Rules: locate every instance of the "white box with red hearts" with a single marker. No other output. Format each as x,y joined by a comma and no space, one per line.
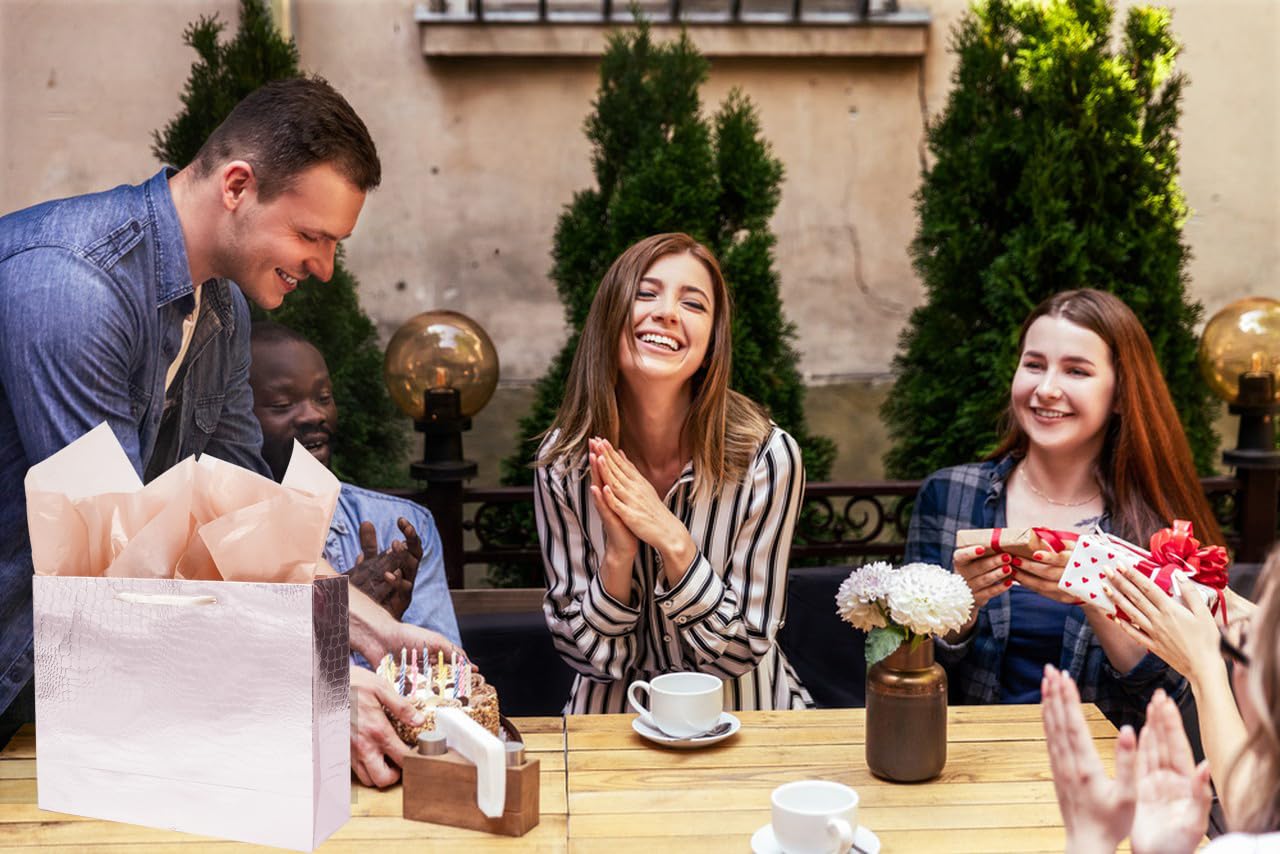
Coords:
1083,576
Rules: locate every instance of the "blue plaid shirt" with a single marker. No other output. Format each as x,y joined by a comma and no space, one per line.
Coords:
972,496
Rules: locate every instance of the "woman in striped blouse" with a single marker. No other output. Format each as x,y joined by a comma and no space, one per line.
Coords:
665,501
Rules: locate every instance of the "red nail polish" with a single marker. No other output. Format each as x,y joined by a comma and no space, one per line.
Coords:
1038,556
979,551
1007,570
1005,558
1008,582
1017,561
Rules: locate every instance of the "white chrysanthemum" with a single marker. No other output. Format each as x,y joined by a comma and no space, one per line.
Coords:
927,600
860,597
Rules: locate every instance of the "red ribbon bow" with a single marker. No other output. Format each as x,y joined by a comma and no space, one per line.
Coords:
1174,549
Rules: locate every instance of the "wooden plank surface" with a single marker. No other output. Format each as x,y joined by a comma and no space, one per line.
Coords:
376,822
995,793
611,791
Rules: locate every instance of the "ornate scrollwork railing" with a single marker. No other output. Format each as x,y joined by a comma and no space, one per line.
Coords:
847,522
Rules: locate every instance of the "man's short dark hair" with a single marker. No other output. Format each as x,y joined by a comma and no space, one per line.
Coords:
270,332
286,127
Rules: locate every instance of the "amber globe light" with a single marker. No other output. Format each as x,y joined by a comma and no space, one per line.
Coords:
1241,343
440,349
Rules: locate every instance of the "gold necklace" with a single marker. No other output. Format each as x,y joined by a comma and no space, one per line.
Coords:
1031,485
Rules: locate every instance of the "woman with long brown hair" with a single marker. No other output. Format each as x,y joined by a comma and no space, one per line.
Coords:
1092,439
665,501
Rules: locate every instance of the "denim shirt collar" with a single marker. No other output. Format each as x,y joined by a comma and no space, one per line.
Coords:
173,270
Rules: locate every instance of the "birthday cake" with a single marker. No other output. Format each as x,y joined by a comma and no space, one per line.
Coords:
455,683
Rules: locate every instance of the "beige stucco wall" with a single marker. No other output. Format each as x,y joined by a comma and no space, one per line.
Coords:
480,155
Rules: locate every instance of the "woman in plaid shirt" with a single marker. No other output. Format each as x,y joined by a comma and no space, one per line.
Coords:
1092,439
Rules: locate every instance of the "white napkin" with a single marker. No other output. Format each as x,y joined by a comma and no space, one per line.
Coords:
485,750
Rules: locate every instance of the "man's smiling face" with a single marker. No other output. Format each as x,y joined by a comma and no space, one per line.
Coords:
293,399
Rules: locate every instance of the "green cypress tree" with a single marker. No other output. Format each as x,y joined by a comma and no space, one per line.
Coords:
1055,167
661,166
369,448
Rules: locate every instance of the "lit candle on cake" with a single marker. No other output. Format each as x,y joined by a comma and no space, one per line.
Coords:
442,676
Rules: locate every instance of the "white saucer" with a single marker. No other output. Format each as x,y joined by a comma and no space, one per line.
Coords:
764,842
648,732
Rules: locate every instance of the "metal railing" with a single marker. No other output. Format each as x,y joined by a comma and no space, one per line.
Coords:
834,12
840,523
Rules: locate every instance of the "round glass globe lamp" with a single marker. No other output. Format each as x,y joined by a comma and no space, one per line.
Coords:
440,349
1240,345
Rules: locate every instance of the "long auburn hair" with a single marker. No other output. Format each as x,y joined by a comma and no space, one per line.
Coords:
723,429
1147,476
1261,776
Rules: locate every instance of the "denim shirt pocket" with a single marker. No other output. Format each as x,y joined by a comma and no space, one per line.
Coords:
139,400
207,411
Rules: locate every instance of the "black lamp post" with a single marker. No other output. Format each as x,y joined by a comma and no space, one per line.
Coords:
1240,358
441,369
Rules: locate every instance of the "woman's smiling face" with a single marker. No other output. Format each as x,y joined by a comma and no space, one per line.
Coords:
1063,392
671,322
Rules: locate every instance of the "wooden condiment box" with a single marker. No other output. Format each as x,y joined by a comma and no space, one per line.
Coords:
442,790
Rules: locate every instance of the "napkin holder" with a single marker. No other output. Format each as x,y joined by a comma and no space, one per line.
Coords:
441,789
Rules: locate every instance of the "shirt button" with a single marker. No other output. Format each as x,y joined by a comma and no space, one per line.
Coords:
667,604
667,638
681,619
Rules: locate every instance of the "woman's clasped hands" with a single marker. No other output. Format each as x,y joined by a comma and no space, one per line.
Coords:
632,512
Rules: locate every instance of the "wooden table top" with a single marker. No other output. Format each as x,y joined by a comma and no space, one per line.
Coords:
995,794
606,789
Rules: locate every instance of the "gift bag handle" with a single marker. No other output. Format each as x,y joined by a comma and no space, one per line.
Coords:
166,599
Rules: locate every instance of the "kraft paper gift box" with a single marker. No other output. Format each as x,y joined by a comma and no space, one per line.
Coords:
191,670
1019,542
1176,563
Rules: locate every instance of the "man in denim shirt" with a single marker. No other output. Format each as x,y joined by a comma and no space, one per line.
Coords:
293,399
117,307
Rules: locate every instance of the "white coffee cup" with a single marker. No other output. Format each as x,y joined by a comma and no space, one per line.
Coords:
680,704
814,817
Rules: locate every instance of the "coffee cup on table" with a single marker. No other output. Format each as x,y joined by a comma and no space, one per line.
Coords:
814,817
681,705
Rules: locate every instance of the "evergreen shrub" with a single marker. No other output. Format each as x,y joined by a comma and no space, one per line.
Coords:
661,166
1054,166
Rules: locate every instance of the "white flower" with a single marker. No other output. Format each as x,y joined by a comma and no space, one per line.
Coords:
927,600
860,597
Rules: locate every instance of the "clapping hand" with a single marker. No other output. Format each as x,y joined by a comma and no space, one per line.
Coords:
387,577
619,543
1173,792
1096,810
630,496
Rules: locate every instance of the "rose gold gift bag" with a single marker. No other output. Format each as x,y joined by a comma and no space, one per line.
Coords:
191,672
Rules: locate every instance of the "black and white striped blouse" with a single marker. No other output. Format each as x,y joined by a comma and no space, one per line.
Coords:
721,618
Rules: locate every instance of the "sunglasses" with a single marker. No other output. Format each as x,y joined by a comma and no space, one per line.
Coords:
1233,650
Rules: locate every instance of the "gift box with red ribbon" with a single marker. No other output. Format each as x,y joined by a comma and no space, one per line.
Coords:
1019,542
1175,562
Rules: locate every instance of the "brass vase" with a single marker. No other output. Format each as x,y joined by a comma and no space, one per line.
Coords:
907,715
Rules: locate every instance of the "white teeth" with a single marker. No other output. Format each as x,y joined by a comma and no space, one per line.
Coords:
290,279
660,340
1049,413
